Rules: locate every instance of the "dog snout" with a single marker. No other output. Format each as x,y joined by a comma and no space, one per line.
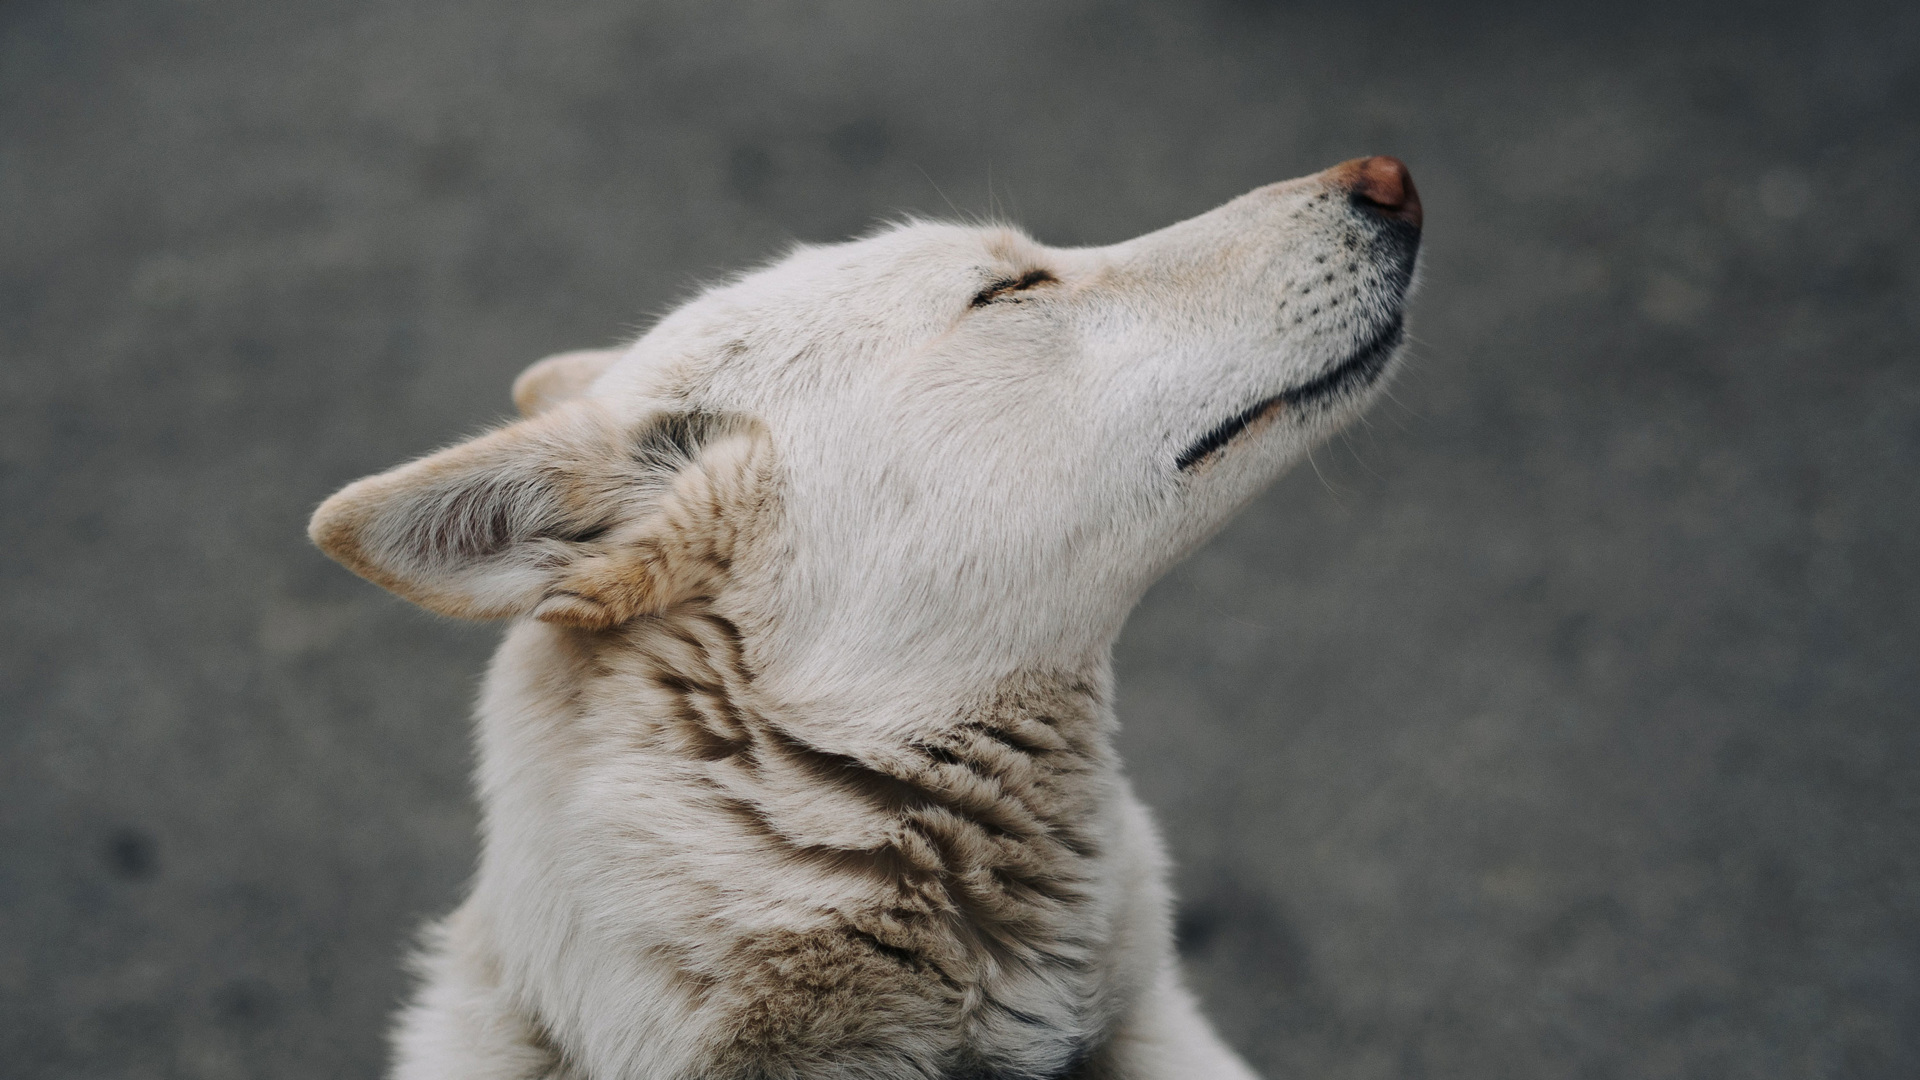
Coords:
1380,186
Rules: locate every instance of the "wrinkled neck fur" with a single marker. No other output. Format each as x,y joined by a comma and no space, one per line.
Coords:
696,668
924,891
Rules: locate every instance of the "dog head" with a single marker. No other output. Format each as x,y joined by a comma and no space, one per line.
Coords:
939,447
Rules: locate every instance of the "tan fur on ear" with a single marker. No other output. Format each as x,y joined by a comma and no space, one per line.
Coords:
684,549
559,377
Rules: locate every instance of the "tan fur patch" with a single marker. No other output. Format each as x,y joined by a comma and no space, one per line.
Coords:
684,547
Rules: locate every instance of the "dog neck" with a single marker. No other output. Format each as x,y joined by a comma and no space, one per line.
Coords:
924,889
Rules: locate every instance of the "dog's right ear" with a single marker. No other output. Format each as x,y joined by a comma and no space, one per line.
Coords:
560,377
573,516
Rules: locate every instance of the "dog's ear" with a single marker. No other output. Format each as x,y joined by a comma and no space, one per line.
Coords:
572,516
560,377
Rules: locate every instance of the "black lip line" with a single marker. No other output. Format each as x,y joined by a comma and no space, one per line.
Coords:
1363,366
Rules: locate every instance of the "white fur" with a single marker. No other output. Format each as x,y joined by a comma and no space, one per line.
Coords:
931,498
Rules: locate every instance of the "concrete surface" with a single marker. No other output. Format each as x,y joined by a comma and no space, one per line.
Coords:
1559,722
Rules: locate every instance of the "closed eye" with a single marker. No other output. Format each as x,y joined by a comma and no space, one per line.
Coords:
1004,287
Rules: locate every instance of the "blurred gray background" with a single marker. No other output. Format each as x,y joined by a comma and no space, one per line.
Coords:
1559,721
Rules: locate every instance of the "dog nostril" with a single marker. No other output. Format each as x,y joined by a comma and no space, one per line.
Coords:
1382,185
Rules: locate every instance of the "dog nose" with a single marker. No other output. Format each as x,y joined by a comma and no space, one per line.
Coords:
1382,185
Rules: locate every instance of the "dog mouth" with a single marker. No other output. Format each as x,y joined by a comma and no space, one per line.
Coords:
1356,372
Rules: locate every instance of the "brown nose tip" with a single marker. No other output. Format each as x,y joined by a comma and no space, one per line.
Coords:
1382,185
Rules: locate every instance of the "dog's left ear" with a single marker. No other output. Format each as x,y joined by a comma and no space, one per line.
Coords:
560,377
572,516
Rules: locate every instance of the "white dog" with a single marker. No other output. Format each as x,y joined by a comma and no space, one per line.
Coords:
797,760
